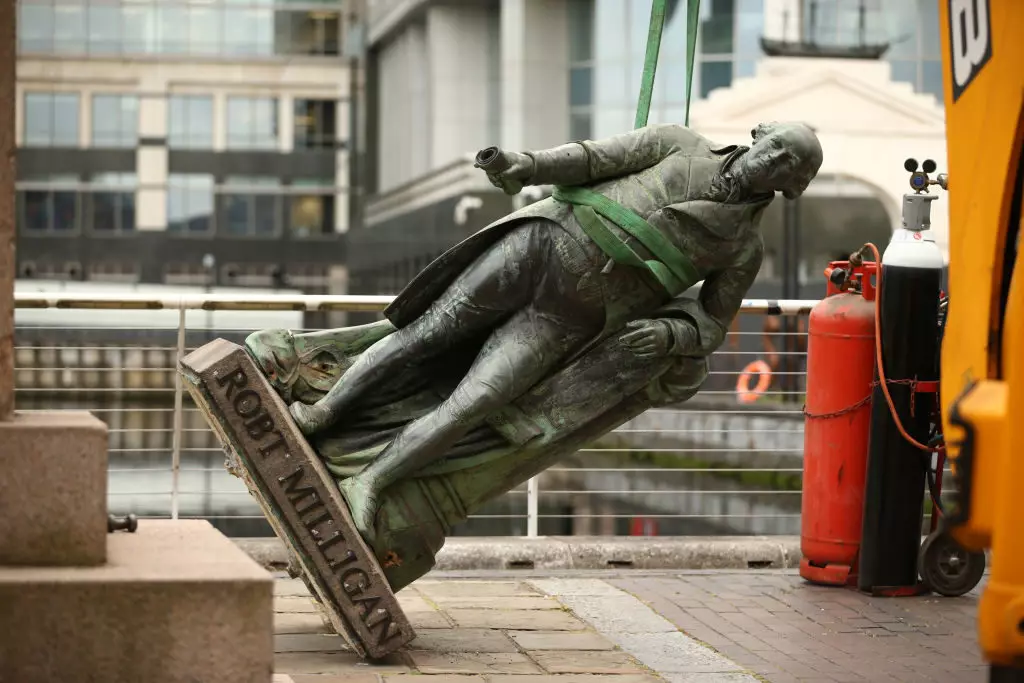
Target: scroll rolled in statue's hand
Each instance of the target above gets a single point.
(494, 161)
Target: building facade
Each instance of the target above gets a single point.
(449, 77)
(187, 143)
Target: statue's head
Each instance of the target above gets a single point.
(784, 157)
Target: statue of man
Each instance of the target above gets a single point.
(634, 221)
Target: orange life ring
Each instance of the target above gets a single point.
(743, 390)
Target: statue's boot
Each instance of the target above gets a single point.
(362, 499)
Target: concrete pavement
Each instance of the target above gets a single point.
(642, 627)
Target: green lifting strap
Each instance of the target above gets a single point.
(673, 269)
(654, 32)
(674, 260)
(692, 23)
(643, 107)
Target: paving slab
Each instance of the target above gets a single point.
(463, 640)
(574, 678)
(733, 626)
(299, 622)
(496, 602)
(561, 640)
(472, 662)
(517, 619)
(309, 642)
(579, 662)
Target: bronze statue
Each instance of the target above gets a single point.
(539, 333)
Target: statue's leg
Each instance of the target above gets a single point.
(515, 357)
(500, 282)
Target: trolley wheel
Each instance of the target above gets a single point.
(946, 567)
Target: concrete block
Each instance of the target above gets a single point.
(53, 492)
(177, 602)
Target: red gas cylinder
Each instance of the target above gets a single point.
(840, 372)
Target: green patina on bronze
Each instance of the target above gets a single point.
(529, 339)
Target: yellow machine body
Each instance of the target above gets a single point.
(983, 344)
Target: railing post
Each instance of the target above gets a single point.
(176, 436)
(532, 493)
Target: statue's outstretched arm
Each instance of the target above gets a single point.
(699, 325)
(578, 163)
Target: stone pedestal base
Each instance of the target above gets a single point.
(53, 491)
(177, 602)
(299, 497)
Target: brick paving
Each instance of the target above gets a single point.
(781, 628)
(642, 627)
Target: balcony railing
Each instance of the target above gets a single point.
(714, 465)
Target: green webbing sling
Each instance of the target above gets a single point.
(671, 267)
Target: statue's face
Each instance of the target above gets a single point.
(784, 157)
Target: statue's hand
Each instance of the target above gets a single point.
(647, 338)
(309, 418)
(519, 171)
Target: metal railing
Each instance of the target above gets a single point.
(712, 465)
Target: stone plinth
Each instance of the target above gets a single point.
(176, 602)
(53, 492)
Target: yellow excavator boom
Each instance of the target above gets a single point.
(983, 345)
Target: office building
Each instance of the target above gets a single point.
(187, 143)
(449, 77)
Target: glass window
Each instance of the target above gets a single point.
(35, 28)
(929, 27)
(314, 124)
(311, 214)
(611, 82)
(190, 122)
(581, 86)
(716, 31)
(905, 71)
(639, 18)
(203, 27)
(581, 30)
(51, 119)
(670, 82)
(609, 21)
(307, 33)
(69, 29)
(112, 203)
(714, 75)
(204, 30)
(190, 203)
(248, 31)
(115, 120)
(252, 123)
(139, 23)
(104, 29)
(931, 73)
(750, 26)
(172, 29)
(50, 209)
(250, 206)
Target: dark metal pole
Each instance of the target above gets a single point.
(8, 52)
(790, 290)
